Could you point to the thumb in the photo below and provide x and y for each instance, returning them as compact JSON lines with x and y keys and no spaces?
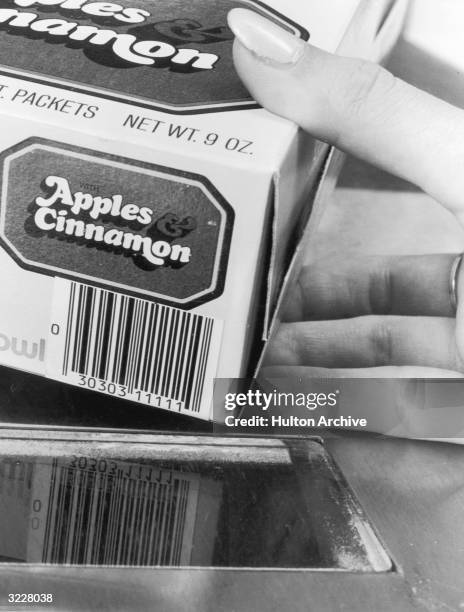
{"x":355,"y":105}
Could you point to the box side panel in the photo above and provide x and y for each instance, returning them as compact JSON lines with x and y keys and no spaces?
{"x":295,"y":185}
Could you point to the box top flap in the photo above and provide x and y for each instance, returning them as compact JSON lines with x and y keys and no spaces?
{"x":168,"y":55}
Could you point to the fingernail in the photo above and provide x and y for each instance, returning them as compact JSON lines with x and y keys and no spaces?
{"x":266,"y":40}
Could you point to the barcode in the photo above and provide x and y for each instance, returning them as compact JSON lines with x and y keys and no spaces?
{"x":114,"y":518}
{"x":141,"y":350}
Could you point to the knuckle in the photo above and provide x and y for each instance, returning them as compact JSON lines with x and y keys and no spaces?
{"x":457,"y":355}
{"x":299,"y":298}
{"x":381,"y":339}
{"x":284,"y":348}
{"x":368,"y":85}
{"x":381,"y":289}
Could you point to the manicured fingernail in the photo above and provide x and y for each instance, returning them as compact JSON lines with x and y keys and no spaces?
{"x":266,"y":40}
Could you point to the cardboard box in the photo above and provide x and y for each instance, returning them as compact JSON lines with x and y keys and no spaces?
{"x":149,"y":208}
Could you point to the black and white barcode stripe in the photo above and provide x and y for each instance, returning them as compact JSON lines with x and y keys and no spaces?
{"x":110,"y":519}
{"x":139,"y":344}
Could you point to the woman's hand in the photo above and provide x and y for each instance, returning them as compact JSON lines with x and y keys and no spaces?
{"x":375,"y":316}
{"x":371,"y":316}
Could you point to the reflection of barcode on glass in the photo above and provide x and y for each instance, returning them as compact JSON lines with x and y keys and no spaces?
{"x":112,"y":519}
{"x":137,"y":344}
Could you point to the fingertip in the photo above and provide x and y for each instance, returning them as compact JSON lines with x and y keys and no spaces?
{"x":265,"y":39}
{"x":236,"y":16}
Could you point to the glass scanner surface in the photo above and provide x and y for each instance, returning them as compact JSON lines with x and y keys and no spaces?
{"x":178,"y":501}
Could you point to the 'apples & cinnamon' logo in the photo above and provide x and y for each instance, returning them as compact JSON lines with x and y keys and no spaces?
{"x":131,"y":226}
{"x":61,"y":214}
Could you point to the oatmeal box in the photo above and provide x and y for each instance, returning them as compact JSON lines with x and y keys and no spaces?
{"x":149,"y":208}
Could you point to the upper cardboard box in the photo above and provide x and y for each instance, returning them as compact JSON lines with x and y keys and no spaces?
{"x":140,"y":181}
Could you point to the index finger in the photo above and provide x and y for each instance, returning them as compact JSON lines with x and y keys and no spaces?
{"x":356,"y":105}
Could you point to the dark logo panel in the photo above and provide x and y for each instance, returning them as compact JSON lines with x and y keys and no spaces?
{"x":173,"y":55}
{"x":129,"y":226}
